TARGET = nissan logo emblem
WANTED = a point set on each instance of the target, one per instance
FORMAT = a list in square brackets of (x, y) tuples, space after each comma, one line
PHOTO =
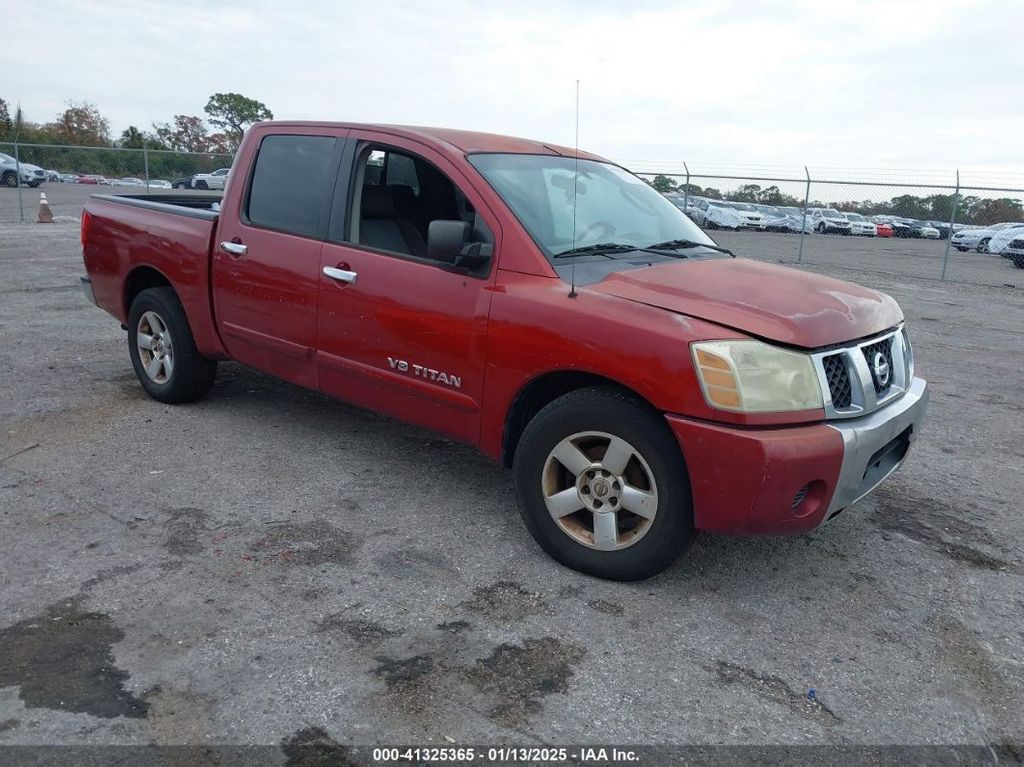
[(881, 368)]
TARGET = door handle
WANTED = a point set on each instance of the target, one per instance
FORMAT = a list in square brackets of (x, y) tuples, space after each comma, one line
[(236, 249), (340, 274)]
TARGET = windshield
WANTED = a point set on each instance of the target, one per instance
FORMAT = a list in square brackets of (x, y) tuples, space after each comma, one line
[(855, 217), (832, 212), (612, 205)]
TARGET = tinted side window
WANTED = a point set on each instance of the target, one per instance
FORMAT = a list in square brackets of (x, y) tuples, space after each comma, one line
[(289, 183)]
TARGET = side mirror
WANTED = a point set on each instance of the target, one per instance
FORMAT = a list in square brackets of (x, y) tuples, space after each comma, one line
[(448, 242), (446, 239)]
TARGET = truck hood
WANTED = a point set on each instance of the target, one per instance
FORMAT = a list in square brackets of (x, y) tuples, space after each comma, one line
[(788, 306)]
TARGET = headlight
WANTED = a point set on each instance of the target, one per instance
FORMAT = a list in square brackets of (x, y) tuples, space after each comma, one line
[(753, 377)]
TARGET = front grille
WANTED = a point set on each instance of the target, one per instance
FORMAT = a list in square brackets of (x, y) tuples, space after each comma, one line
[(1017, 244), (883, 347), (838, 378)]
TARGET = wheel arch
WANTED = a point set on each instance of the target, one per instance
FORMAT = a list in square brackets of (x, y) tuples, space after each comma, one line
[(142, 278), (544, 389)]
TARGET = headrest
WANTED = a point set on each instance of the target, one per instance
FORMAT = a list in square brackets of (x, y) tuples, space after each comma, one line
[(377, 202)]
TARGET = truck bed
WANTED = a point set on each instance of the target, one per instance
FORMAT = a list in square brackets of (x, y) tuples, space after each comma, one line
[(131, 242)]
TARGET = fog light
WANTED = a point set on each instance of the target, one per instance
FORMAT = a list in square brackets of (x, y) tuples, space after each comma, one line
[(808, 498)]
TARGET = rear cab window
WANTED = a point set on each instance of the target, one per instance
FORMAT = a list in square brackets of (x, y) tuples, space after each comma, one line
[(291, 178)]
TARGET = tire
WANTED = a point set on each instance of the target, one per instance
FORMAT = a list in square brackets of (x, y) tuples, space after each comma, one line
[(983, 245), (202, 185), (820, 229), (962, 250), (1018, 261), (179, 373), (9, 179), (582, 425)]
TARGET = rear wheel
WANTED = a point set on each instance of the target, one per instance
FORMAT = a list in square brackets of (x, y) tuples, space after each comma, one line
[(9, 179), (162, 349), (602, 485)]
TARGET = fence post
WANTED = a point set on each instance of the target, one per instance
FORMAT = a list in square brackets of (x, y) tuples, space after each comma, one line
[(803, 219), (952, 220), (145, 161), (686, 189), (17, 174)]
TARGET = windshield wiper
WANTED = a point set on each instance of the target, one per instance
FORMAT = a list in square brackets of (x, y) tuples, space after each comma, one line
[(599, 249), (682, 244)]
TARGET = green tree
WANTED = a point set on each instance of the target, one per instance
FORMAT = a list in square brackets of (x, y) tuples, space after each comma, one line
[(663, 184), (186, 134), (81, 124), (233, 113), (6, 123), (746, 193)]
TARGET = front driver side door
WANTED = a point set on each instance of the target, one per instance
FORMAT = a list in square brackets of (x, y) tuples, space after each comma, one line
[(406, 336)]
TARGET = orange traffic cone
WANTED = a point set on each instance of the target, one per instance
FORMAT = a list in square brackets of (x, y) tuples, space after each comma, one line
[(45, 214)]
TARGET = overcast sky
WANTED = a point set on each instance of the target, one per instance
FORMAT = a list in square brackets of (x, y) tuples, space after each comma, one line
[(877, 85)]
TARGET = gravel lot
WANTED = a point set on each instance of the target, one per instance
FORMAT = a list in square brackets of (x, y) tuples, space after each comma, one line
[(269, 566)]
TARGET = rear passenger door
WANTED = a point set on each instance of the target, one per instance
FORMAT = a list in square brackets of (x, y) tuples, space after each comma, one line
[(266, 260), (400, 333)]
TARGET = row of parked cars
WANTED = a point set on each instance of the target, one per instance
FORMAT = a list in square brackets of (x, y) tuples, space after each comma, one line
[(710, 213), (33, 176)]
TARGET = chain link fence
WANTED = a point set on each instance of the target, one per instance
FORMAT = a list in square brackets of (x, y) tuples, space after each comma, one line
[(69, 174), (931, 227)]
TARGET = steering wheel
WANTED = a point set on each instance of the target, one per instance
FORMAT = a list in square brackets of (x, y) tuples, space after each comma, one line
[(607, 230)]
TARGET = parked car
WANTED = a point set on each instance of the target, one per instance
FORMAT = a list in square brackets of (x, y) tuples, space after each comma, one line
[(861, 225), (828, 220), (715, 214), (157, 183), (52, 175), (68, 178), (91, 179), (31, 175), (792, 393), (978, 238), (1015, 251), (130, 182), (215, 180), (182, 183), (750, 216), (772, 218), (798, 220), (924, 230), (942, 227), (1001, 239)]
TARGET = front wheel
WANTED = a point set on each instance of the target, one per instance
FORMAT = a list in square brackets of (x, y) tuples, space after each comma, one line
[(162, 349), (9, 179), (202, 185), (983, 245), (602, 485)]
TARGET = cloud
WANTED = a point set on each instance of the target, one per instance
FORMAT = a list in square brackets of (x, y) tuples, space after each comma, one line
[(857, 84)]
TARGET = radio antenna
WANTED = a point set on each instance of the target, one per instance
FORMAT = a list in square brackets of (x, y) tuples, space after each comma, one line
[(575, 183)]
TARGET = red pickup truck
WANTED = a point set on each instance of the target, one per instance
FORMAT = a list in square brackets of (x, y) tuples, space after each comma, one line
[(546, 306)]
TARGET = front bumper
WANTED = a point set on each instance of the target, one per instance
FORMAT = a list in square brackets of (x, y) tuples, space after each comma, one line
[(787, 480)]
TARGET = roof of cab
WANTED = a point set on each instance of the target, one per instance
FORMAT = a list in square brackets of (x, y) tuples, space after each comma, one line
[(466, 142)]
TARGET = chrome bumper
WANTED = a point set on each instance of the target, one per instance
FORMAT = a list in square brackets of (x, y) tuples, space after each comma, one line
[(875, 445)]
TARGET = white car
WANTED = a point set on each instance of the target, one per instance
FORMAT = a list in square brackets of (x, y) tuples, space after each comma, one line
[(928, 232), (861, 225), (31, 175), (751, 215), (720, 214), (825, 220), (158, 183), (1015, 250), (978, 238), (130, 182), (215, 180), (1003, 237)]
